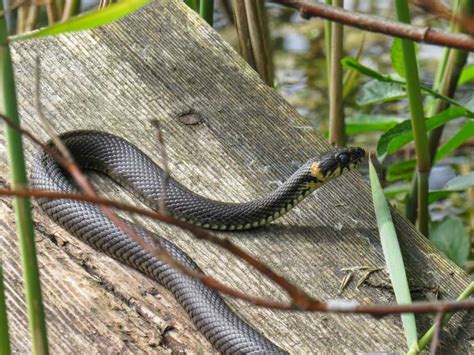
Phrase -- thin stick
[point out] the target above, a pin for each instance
(437, 332)
(336, 100)
(166, 170)
(375, 24)
(305, 302)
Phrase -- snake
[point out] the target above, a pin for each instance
(132, 169)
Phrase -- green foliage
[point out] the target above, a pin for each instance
(426, 338)
(4, 334)
(351, 63)
(466, 75)
(459, 183)
(22, 206)
(193, 4)
(374, 92)
(465, 133)
(396, 56)
(206, 10)
(402, 169)
(370, 123)
(87, 20)
(451, 238)
(392, 254)
(394, 190)
(400, 135)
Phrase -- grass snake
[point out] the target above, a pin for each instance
(129, 167)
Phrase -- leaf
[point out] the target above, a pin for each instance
(396, 189)
(397, 57)
(470, 104)
(461, 136)
(86, 20)
(400, 135)
(351, 75)
(460, 183)
(392, 254)
(369, 123)
(436, 195)
(402, 169)
(376, 91)
(351, 63)
(451, 238)
(467, 74)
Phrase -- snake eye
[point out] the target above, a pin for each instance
(343, 158)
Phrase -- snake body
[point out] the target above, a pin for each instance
(131, 168)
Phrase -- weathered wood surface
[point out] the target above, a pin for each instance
(162, 63)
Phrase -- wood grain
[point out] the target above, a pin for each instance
(164, 63)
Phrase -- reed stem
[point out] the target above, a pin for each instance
(4, 337)
(206, 10)
(423, 160)
(22, 207)
(336, 99)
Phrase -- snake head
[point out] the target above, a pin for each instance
(333, 163)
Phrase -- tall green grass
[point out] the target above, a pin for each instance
(423, 161)
(392, 254)
(25, 229)
(4, 334)
(24, 223)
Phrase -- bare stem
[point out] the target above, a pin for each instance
(336, 100)
(428, 35)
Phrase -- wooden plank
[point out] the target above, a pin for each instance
(162, 63)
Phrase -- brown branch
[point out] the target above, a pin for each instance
(305, 303)
(68, 163)
(375, 24)
(437, 331)
(440, 10)
(299, 299)
(159, 252)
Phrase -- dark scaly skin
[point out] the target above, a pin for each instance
(131, 168)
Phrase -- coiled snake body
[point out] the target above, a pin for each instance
(127, 165)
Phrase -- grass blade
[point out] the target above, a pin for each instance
(86, 21)
(393, 255)
(206, 10)
(402, 134)
(22, 207)
(426, 338)
(4, 337)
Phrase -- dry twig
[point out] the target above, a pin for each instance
(300, 300)
(440, 10)
(306, 303)
(375, 24)
(437, 332)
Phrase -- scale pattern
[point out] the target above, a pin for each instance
(128, 166)
(225, 330)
